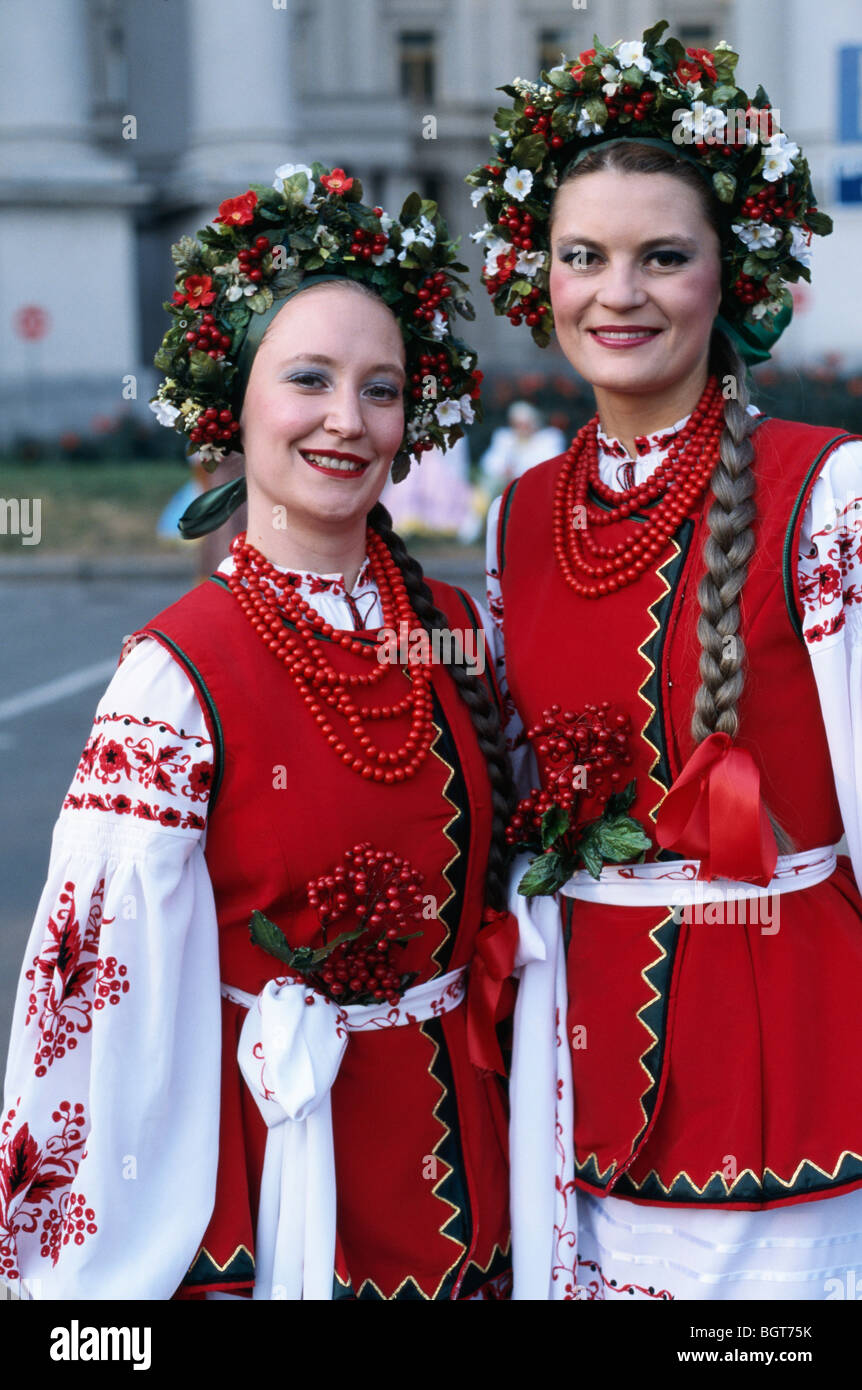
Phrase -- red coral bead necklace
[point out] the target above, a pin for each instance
(268, 599)
(592, 569)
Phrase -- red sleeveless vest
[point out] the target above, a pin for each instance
(420, 1142)
(716, 1069)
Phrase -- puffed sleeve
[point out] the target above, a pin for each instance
(523, 761)
(110, 1124)
(829, 587)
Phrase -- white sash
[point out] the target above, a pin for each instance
(668, 881)
(290, 1049)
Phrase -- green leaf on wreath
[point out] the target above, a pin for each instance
(410, 207)
(819, 222)
(633, 76)
(561, 114)
(653, 35)
(596, 110)
(724, 94)
(205, 372)
(529, 152)
(555, 822)
(562, 79)
(725, 187)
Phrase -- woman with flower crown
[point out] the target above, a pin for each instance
(680, 596)
(242, 1061)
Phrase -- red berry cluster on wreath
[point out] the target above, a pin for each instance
(594, 743)
(250, 258)
(766, 205)
(633, 104)
(434, 364)
(431, 294)
(749, 290)
(380, 893)
(214, 425)
(209, 338)
(367, 244)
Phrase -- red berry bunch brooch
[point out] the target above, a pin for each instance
(580, 817)
(376, 896)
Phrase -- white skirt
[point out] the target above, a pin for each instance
(812, 1250)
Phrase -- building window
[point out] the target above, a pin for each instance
(416, 61)
(701, 35)
(552, 45)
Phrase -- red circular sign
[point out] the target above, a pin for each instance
(31, 321)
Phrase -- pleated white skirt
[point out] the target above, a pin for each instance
(809, 1251)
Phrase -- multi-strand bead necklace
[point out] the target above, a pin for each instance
(295, 632)
(592, 569)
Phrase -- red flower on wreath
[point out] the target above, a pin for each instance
(336, 182)
(584, 59)
(705, 61)
(197, 292)
(237, 212)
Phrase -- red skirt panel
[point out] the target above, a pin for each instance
(687, 1091)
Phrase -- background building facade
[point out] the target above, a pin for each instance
(123, 123)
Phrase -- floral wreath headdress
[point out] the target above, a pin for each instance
(682, 99)
(235, 275)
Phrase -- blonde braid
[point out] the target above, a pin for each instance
(727, 552)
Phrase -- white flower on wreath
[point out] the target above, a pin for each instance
(383, 257)
(482, 233)
(286, 171)
(211, 451)
(757, 235)
(631, 55)
(702, 121)
(518, 183)
(439, 326)
(467, 361)
(778, 157)
(585, 126)
(611, 84)
(165, 413)
(496, 246)
(424, 234)
(448, 412)
(800, 245)
(478, 194)
(766, 306)
(529, 262)
(468, 414)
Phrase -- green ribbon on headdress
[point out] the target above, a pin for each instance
(212, 509)
(753, 341)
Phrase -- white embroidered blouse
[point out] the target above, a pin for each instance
(110, 1123)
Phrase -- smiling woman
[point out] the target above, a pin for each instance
(254, 1049)
(679, 593)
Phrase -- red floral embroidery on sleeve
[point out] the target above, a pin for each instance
(127, 754)
(70, 979)
(30, 1175)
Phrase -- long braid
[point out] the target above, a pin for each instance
(474, 693)
(727, 552)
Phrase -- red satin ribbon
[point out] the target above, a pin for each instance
(714, 813)
(491, 994)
